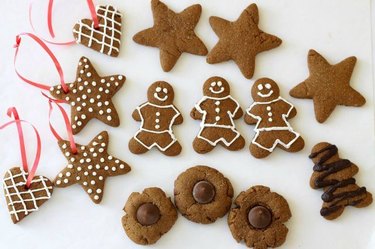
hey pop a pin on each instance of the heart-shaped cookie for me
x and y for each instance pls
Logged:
(106, 38)
(21, 200)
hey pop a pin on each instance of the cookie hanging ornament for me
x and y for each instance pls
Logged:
(24, 191)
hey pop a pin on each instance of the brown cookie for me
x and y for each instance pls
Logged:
(157, 117)
(258, 218)
(149, 215)
(21, 200)
(105, 39)
(270, 114)
(202, 194)
(90, 166)
(328, 85)
(217, 110)
(335, 176)
(90, 96)
(173, 33)
(241, 40)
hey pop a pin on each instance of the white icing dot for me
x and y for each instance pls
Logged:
(101, 150)
(86, 66)
(86, 83)
(89, 90)
(51, 89)
(83, 147)
(106, 168)
(79, 108)
(74, 90)
(84, 96)
(157, 113)
(100, 137)
(157, 126)
(83, 116)
(70, 166)
(84, 154)
(96, 197)
(270, 119)
(95, 154)
(268, 108)
(68, 174)
(120, 77)
(112, 78)
(101, 178)
(106, 91)
(82, 160)
(63, 146)
(81, 72)
(97, 166)
(85, 183)
(98, 96)
(102, 144)
(58, 182)
(109, 110)
(79, 79)
(67, 154)
(92, 100)
(72, 103)
(93, 83)
(94, 173)
(102, 80)
(80, 88)
(108, 84)
(89, 191)
(90, 167)
(90, 109)
(84, 60)
(66, 180)
(61, 174)
(88, 74)
(102, 160)
(84, 104)
(58, 92)
(110, 157)
(100, 89)
(106, 102)
(270, 114)
(100, 103)
(79, 168)
(92, 182)
(122, 166)
(217, 102)
(113, 168)
(86, 173)
(80, 63)
(78, 99)
(109, 118)
(157, 120)
(98, 191)
(101, 112)
(217, 109)
(117, 161)
(67, 98)
(92, 149)
(88, 160)
(116, 83)
(72, 159)
(78, 178)
(217, 118)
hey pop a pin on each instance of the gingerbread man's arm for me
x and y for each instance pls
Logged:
(136, 115)
(195, 114)
(292, 113)
(249, 119)
(238, 114)
(179, 119)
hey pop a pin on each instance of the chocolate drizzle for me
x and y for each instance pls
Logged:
(340, 200)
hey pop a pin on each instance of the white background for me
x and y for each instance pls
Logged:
(335, 28)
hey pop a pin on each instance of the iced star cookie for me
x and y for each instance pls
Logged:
(335, 176)
(202, 194)
(90, 166)
(270, 114)
(157, 117)
(90, 96)
(217, 110)
(258, 218)
(105, 39)
(149, 215)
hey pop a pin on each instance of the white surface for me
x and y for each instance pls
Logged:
(336, 28)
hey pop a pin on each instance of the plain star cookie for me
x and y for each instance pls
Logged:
(90, 96)
(21, 200)
(105, 39)
(173, 33)
(328, 85)
(157, 117)
(258, 218)
(335, 176)
(90, 166)
(241, 40)
(270, 114)
(202, 194)
(149, 215)
(217, 110)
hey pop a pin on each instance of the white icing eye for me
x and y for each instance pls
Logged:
(260, 87)
(268, 86)
(219, 83)
(165, 90)
(158, 89)
(213, 83)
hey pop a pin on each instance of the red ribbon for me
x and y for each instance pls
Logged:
(49, 18)
(93, 13)
(12, 111)
(51, 101)
(51, 55)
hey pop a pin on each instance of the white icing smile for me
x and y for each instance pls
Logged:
(260, 88)
(265, 95)
(219, 84)
(158, 90)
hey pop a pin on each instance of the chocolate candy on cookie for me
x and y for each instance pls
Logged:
(202, 194)
(217, 110)
(258, 218)
(328, 85)
(270, 113)
(173, 33)
(241, 40)
(157, 116)
(149, 215)
(335, 176)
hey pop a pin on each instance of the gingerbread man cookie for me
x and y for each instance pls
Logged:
(217, 110)
(270, 113)
(157, 116)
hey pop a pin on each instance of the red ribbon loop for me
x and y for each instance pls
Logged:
(12, 111)
(93, 13)
(51, 55)
(51, 101)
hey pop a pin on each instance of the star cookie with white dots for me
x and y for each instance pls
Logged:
(90, 166)
(90, 96)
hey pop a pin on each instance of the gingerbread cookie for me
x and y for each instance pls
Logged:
(241, 40)
(217, 110)
(149, 215)
(173, 33)
(21, 200)
(270, 114)
(202, 194)
(90, 166)
(258, 218)
(157, 116)
(328, 85)
(335, 176)
(90, 96)
(105, 39)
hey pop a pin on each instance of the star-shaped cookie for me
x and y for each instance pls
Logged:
(173, 33)
(90, 166)
(90, 96)
(328, 85)
(241, 40)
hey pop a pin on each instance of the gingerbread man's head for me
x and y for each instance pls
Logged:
(265, 90)
(160, 93)
(216, 87)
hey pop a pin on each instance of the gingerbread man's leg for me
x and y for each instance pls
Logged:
(292, 137)
(136, 148)
(202, 146)
(174, 150)
(259, 144)
(238, 142)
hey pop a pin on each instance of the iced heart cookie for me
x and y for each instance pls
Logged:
(105, 39)
(157, 116)
(258, 218)
(335, 176)
(217, 110)
(270, 114)
(21, 200)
